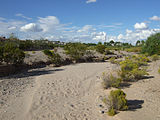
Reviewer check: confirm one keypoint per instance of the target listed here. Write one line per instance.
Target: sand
(73, 92)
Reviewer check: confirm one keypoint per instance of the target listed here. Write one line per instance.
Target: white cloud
(140, 26)
(155, 18)
(12, 28)
(31, 27)
(21, 15)
(48, 23)
(101, 36)
(86, 28)
(132, 37)
(128, 31)
(91, 1)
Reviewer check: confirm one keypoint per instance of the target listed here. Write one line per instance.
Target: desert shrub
(152, 45)
(116, 101)
(54, 57)
(11, 54)
(155, 57)
(110, 81)
(141, 60)
(47, 52)
(100, 48)
(131, 71)
(75, 50)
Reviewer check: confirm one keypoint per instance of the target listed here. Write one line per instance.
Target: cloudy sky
(80, 20)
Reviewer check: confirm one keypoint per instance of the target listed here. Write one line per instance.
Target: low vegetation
(116, 101)
(109, 80)
(131, 70)
(75, 50)
(54, 57)
(11, 54)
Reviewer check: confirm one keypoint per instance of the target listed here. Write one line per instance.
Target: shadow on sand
(133, 105)
(34, 72)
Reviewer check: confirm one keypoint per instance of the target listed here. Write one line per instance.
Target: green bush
(155, 57)
(47, 52)
(110, 81)
(152, 45)
(141, 60)
(75, 50)
(11, 54)
(54, 57)
(131, 71)
(116, 101)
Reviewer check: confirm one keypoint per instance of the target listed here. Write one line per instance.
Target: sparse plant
(116, 101)
(110, 81)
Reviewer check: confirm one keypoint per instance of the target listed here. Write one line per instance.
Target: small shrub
(131, 71)
(110, 81)
(47, 52)
(117, 100)
(54, 57)
(155, 57)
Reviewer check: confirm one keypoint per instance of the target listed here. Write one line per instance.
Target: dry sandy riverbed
(73, 93)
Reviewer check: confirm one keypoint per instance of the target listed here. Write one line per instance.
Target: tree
(152, 45)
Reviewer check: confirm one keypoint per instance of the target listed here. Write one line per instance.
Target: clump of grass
(109, 80)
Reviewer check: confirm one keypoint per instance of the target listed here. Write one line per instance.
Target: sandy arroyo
(65, 93)
(73, 92)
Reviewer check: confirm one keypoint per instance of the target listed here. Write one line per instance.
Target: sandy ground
(65, 93)
(73, 92)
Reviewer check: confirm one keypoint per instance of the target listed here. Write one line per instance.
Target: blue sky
(80, 20)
